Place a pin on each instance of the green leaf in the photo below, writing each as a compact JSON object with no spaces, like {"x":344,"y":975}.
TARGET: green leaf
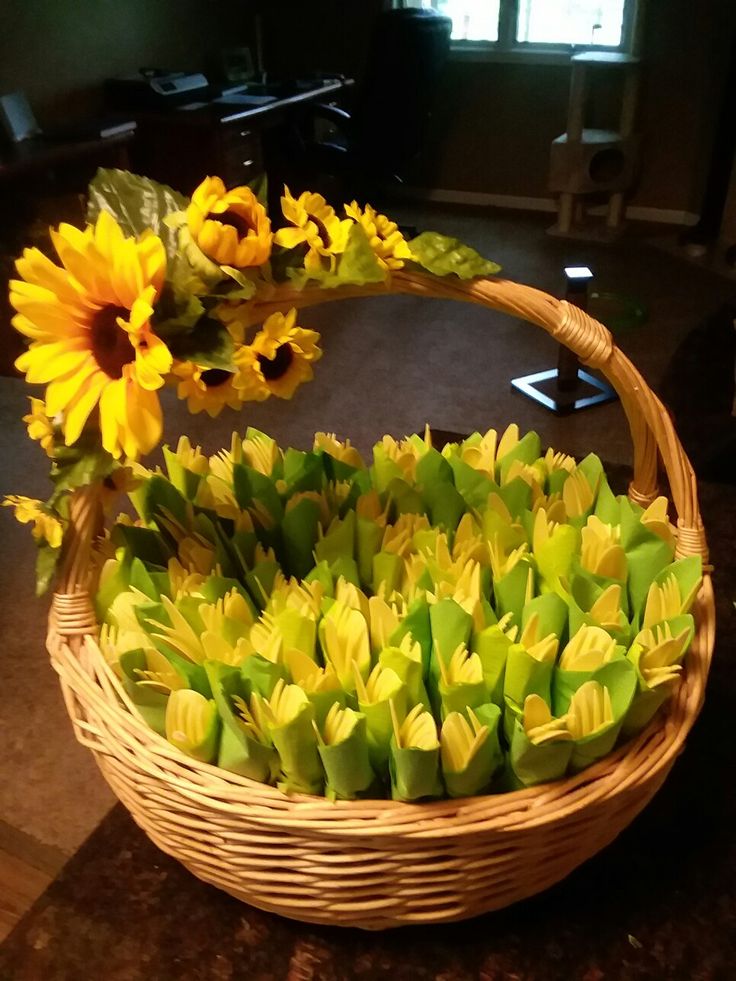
{"x":137,"y":203}
{"x":46,"y":563}
{"x":358,"y":264}
{"x":209,"y":345}
{"x":259,"y":186}
{"x":442,"y":256}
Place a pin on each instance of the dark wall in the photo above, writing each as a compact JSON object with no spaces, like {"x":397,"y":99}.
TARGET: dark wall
{"x":59,"y":51}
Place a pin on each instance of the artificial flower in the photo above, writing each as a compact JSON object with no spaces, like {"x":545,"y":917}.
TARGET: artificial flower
{"x":46,"y":527}
{"x":40,"y":427}
{"x":387,"y":242}
{"x":313,"y":223}
{"x":231,"y":227}
{"x":278,"y":360}
{"x":344,"y":452}
{"x":90,"y":331}
{"x":207,"y":389}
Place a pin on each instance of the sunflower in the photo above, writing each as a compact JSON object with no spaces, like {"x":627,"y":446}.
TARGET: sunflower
{"x":314,"y":223}
{"x":278,"y":360}
{"x":231,"y":227}
{"x":387,"y":242}
{"x":207,"y":389}
{"x":91,"y":338}
{"x":46,"y":527}
{"x":40,"y":427}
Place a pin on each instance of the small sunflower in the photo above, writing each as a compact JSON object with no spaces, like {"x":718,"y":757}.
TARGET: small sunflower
{"x":207,"y":389}
{"x":91,"y":338}
{"x":46,"y":527}
{"x":314,"y":223}
{"x":231,"y":227}
{"x":387,"y":242}
{"x":40,"y":427}
{"x":278,"y":360}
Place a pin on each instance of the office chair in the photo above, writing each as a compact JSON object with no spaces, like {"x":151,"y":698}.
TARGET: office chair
{"x":375,"y":144}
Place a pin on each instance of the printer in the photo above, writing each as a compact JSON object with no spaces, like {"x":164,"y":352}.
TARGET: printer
{"x":153,"y":88}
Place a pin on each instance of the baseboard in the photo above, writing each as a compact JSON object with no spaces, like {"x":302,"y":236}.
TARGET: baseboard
{"x":634,"y":212}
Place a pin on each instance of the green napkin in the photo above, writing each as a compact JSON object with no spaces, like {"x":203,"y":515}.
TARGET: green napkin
{"x":461,"y":683}
{"x":299,"y":531}
{"x":382,"y":687}
{"x":657,"y":654}
{"x":414,"y":757}
{"x":406,"y":661}
{"x":470,"y":751}
{"x":149,"y":678}
{"x":244,"y":745}
{"x":343,"y":749}
{"x":541,"y":746}
{"x":597,"y":710}
{"x":192,"y":724}
{"x":673,"y":591}
{"x":290,"y":716}
{"x":492,"y":646}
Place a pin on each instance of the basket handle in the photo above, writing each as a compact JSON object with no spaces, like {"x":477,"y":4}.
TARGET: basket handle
{"x":649,"y":422}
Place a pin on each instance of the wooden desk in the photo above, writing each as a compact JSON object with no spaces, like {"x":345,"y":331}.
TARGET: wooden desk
{"x":181,"y":146}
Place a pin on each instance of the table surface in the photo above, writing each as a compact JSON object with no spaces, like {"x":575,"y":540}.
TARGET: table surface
{"x":658,"y":903}
{"x":39,"y":153}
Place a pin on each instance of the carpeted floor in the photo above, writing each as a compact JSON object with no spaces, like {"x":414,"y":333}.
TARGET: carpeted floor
{"x":390,"y":365}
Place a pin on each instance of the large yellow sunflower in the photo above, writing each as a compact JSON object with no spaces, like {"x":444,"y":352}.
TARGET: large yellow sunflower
{"x":91,"y":338}
{"x":387,"y":242}
{"x":278,"y":359}
{"x":315,"y":223}
{"x":231,"y":227}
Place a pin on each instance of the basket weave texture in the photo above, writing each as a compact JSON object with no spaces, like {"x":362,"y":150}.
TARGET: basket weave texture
{"x":378,"y":864}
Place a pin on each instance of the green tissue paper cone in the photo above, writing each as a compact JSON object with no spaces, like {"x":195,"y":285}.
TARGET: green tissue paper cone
{"x":415,"y":773}
{"x":299,"y":535}
{"x":346,"y":763}
{"x":193,"y":724}
{"x":296,"y":742}
{"x":533,"y":764}
{"x":619,"y":677}
{"x":492,"y":647}
{"x":475,"y":777}
{"x":262,"y":675}
{"x":239,"y":752}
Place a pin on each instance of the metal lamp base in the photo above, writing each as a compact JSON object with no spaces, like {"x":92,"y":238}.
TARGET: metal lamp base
{"x":544,"y":388}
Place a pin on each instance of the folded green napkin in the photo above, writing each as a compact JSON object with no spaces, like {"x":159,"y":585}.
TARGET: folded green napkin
{"x":289,"y":715}
{"x":343,"y":749}
{"x":245,"y":747}
{"x":470,"y":751}
{"x":414,"y":757}
{"x":541,"y":745}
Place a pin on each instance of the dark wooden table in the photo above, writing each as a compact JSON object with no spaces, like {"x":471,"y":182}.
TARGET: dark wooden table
{"x":38,"y":154}
{"x":659,"y":903}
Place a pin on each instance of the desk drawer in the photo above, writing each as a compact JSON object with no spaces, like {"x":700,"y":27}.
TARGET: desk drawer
{"x":241,"y":159}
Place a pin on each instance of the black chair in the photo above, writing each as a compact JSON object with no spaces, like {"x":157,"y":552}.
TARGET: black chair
{"x":375,"y":144}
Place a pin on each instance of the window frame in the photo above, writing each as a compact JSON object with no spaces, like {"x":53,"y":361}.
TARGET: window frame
{"x":508,"y":49}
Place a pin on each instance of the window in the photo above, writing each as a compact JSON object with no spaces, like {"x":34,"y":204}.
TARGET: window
{"x":538,"y":26}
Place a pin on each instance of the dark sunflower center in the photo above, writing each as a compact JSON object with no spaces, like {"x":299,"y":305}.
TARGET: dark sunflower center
{"x":321,"y":231}
{"x":111,"y":345}
{"x":235,"y":221}
{"x":276,"y":367}
{"x":214,"y":377}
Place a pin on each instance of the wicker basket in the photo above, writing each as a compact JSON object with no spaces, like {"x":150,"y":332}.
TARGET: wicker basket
{"x":377,"y":864}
